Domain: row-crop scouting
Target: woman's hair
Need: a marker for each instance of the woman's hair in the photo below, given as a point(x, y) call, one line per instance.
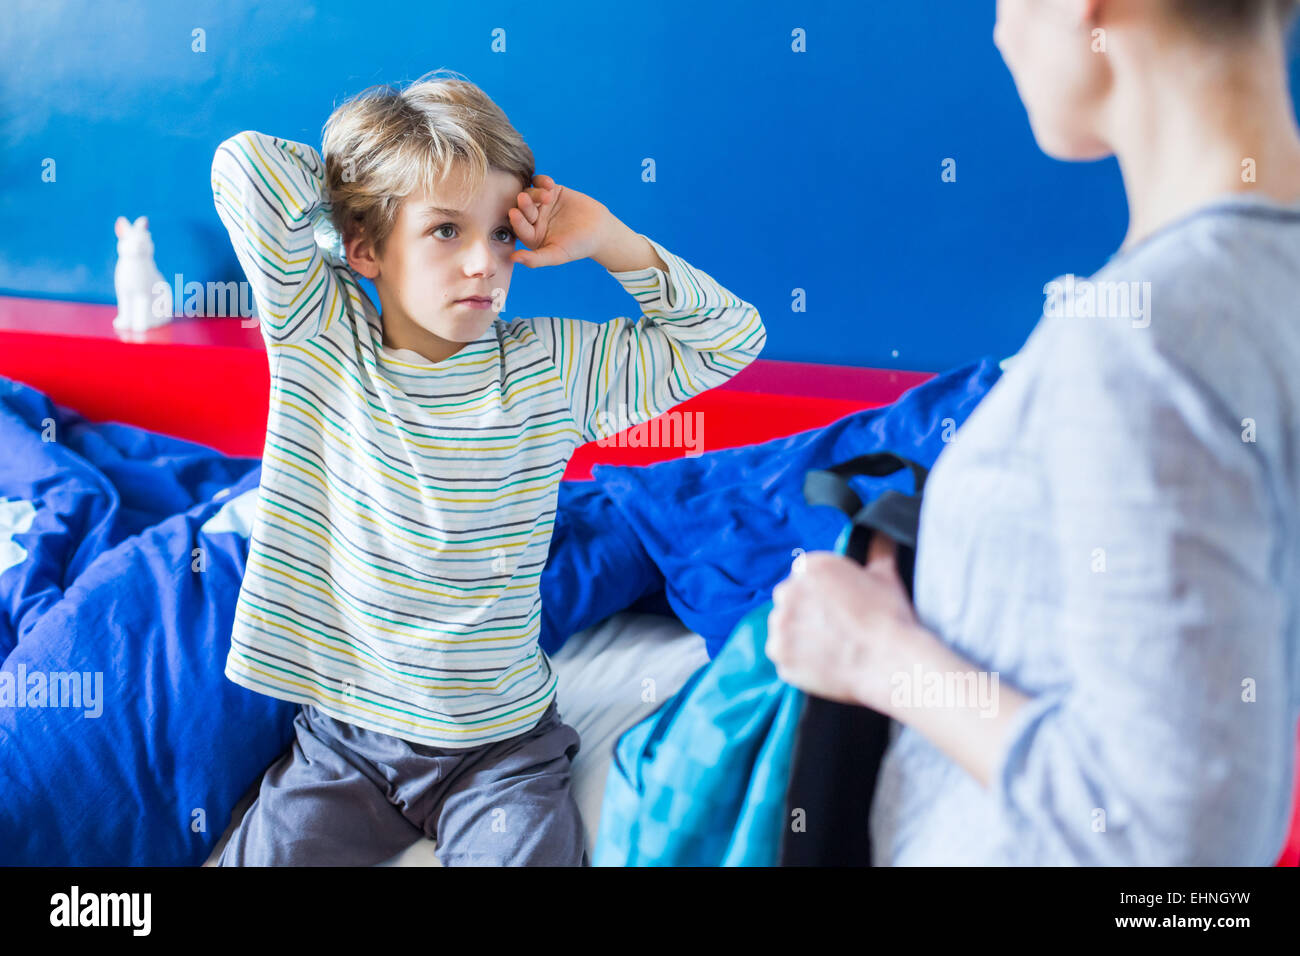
point(386, 143)
point(1234, 17)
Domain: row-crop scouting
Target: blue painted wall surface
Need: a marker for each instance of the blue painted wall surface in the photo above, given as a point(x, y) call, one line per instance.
point(776, 170)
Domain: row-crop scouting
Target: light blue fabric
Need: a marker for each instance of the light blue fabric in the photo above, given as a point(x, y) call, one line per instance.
point(1116, 532)
point(702, 780)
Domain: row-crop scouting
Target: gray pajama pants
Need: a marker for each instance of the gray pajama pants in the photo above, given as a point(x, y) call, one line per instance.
point(347, 796)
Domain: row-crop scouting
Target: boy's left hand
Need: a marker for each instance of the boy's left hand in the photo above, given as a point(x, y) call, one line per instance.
point(558, 224)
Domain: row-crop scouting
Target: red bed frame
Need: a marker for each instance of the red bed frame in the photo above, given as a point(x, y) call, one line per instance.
point(207, 380)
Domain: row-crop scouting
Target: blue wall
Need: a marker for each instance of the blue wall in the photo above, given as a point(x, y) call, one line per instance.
point(776, 170)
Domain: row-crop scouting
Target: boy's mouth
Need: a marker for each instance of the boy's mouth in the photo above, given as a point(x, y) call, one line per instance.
point(476, 302)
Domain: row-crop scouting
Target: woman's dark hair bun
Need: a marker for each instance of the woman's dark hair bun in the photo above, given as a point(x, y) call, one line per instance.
point(1235, 15)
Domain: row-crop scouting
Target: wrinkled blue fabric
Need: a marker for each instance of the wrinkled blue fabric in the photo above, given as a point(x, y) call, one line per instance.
point(91, 486)
point(148, 767)
point(595, 567)
point(722, 528)
point(153, 778)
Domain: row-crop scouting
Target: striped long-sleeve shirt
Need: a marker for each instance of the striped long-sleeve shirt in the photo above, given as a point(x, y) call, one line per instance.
point(406, 507)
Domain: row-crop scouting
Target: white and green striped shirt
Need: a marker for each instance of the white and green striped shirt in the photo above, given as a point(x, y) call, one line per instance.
point(406, 507)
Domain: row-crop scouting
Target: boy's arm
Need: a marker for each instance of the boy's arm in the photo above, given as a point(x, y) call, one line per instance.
point(269, 193)
point(692, 336)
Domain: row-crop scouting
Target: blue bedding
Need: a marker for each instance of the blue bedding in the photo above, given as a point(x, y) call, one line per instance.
point(722, 527)
point(96, 485)
point(121, 554)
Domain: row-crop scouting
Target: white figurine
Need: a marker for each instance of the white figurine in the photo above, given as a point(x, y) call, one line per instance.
point(141, 302)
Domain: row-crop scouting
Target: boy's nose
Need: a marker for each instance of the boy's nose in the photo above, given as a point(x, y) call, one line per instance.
point(479, 260)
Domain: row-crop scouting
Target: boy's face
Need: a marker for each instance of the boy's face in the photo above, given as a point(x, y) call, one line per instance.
point(445, 269)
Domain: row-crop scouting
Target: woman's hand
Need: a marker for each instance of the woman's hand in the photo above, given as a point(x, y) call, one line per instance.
point(847, 632)
point(841, 630)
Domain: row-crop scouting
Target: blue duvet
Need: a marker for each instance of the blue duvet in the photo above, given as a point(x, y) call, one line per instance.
point(121, 553)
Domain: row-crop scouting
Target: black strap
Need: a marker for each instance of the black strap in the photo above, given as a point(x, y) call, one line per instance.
point(896, 515)
point(838, 747)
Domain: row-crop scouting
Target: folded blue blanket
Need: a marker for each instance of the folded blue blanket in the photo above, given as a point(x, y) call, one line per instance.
point(121, 555)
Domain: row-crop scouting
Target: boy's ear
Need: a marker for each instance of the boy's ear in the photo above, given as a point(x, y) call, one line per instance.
point(361, 255)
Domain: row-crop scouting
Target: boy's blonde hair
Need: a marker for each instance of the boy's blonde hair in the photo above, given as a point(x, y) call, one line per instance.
point(386, 143)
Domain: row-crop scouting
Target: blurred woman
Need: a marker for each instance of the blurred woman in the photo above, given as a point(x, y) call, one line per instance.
point(1114, 534)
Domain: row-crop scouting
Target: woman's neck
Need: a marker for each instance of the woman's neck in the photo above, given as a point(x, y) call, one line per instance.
point(1206, 128)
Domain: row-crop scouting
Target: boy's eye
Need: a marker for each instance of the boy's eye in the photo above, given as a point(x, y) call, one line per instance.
point(503, 233)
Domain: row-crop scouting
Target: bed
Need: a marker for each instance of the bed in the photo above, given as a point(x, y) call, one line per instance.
point(163, 442)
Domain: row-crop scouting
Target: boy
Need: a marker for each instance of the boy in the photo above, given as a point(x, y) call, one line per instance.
point(412, 466)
